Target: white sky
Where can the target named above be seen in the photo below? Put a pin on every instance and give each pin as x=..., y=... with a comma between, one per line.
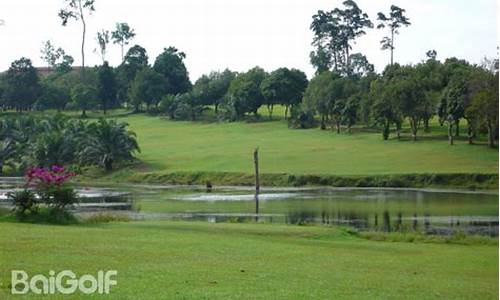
x=240, y=34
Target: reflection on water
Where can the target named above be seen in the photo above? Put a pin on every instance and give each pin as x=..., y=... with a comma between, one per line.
x=390, y=210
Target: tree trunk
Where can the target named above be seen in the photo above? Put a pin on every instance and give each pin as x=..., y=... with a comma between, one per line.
x=323, y=125
x=337, y=123
x=1, y=169
x=470, y=133
x=286, y=112
x=108, y=165
x=270, y=110
x=216, y=108
x=398, y=130
x=457, y=128
x=347, y=60
x=392, y=46
x=84, y=113
x=426, y=125
x=414, y=129
x=450, y=133
x=385, y=131
x=122, y=51
x=491, y=135
x=83, y=38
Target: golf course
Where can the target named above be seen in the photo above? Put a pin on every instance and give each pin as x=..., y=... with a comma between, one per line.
x=274, y=150
x=181, y=260
x=196, y=152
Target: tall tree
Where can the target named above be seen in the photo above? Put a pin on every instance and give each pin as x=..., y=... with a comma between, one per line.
x=107, y=86
x=484, y=107
x=49, y=54
x=122, y=35
x=148, y=87
x=385, y=112
x=394, y=21
x=334, y=33
x=102, y=39
x=135, y=60
x=170, y=64
x=283, y=86
x=85, y=97
x=22, y=86
x=319, y=94
x=352, y=24
x=78, y=10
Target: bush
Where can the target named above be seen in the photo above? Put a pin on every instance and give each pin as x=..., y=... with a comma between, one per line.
x=301, y=118
x=50, y=189
x=24, y=201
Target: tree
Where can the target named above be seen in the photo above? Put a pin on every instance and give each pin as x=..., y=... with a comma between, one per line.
x=394, y=21
x=187, y=107
x=384, y=110
x=352, y=24
x=430, y=76
x=22, y=86
x=148, y=87
x=65, y=65
x=319, y=94
x=107, y=86
x=219, y=85
x=168, y=105
x=108, y=142
x=283, y=86
x=333, y=33
x=102, y=39
x=170, y=64
x=84, y=97
x=8, y=143
x=49, y=54
x=122, y=35
x=135, y=60
x=52, y=96
x=77, y=10
x=56, y=58
x=360, y=66
x=210, y=89
x=55, y=147
x=408, y=93
x=484, y=108
x=244, y=94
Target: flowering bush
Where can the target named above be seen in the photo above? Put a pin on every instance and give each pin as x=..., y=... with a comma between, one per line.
x=44, y=186
x=50, y=186
x=43, y=177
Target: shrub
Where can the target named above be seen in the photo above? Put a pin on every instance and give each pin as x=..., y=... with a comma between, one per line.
x=50, y=186
x=24, y=201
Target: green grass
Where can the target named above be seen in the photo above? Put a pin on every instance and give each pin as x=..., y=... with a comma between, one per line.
x=193, y=152
x=227, y=147
x=179, y=260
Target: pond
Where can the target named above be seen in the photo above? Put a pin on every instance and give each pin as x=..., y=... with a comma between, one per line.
x=432, y=211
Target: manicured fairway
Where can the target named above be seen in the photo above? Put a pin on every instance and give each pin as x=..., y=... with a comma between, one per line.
x=178, y=260
x=170, y=146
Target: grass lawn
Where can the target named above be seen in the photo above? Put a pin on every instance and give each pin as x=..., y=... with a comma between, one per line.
x=179, y=260
x=171, y=146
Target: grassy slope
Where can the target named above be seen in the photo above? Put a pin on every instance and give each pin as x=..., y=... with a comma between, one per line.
x=185, y=146
x=177, y=260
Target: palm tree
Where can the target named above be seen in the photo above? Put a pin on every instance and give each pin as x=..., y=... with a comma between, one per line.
x=9, y=138
x=7, y=152
x=108, y=142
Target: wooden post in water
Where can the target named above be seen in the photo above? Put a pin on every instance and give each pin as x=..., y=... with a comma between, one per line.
x=257, y=182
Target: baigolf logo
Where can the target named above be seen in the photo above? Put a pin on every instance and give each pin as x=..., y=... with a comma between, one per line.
x=65, y=282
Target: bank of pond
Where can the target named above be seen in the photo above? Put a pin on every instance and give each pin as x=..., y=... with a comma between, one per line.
x=441, y=212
